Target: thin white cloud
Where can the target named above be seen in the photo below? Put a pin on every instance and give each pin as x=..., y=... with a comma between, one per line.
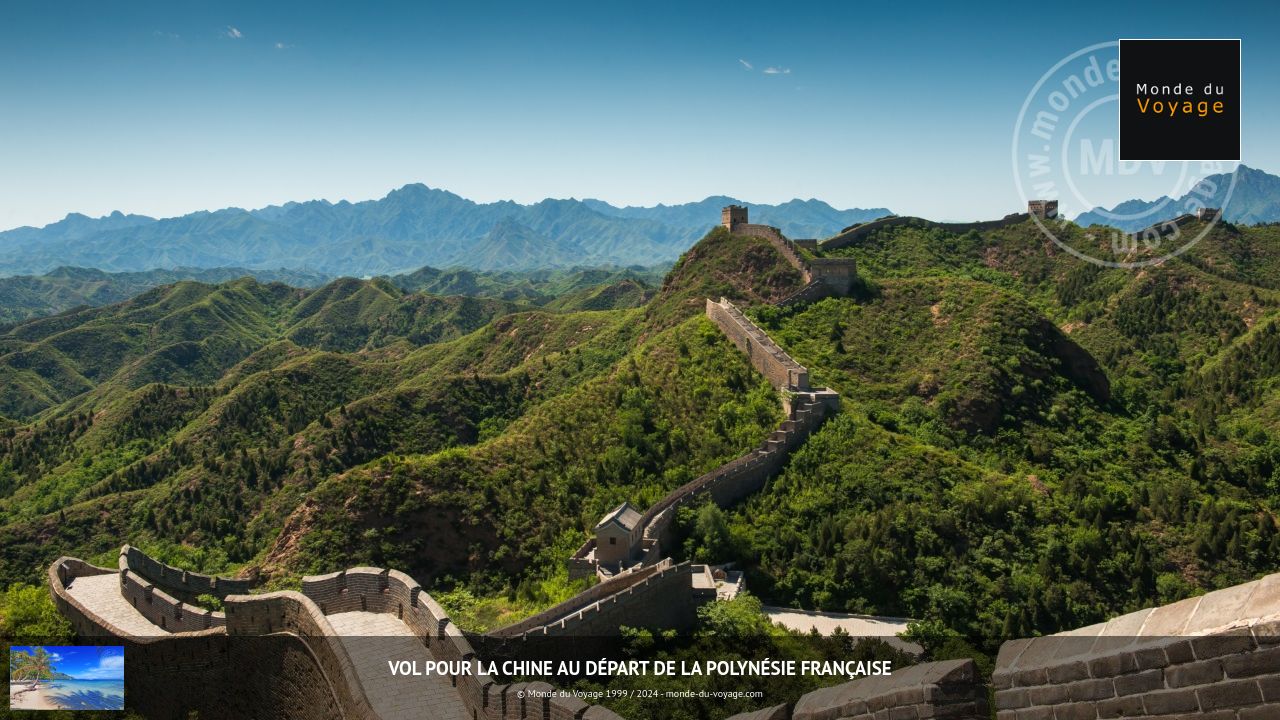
x=166, y=35
x=777, y=71
x=283, y=46
x=746, y=64
x=234, y=33
x=110, y=667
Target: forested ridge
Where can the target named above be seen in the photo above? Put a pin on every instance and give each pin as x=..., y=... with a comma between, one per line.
x=1028, y=442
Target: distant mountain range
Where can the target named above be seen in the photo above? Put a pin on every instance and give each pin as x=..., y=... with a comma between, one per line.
x=1255, y=199
x=409, y=228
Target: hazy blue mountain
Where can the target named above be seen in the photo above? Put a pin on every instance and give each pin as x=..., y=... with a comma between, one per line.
x=72, y=227
x=510, y=245
x=411, y=227
x=796, y=218
x=1255, y=199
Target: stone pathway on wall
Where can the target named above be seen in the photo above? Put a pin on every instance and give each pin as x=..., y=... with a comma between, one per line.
x=101, y=593
x=371, y=639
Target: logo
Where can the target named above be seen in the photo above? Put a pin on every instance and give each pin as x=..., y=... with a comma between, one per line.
x=1065, y=150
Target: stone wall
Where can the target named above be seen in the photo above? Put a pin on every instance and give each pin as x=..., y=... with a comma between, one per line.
x=814, y=291
x=1161, y=229
x=206, y=671
x=591, y=595
x=177, y=582
x=765, y=355
x=1216, y=656
x=84, y=621
x=950, y=689
x=163, y=610
x=788, y=249
x=223, y=678
x=253, y=616
x=827, y=276
x=728, y=484
x=394, y=592
x=838, y=274
x=665, y=598
x=732, y=482
x=854, y=233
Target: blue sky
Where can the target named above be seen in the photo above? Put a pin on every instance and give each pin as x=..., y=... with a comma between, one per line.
x=84, y=663
x=166, y=108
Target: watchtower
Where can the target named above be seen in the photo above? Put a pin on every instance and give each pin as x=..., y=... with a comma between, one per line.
x=733, y=215
x=1044, y=209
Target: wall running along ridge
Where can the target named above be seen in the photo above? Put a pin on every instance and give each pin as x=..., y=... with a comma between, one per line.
x=278, y=655
x=853, y=233
x=823, y=277
x=208, y=671
x=806, y=408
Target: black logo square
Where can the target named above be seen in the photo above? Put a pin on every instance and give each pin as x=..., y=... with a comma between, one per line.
x=1180, y=100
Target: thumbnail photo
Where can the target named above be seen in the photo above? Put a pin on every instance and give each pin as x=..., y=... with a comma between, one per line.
x=66, y=677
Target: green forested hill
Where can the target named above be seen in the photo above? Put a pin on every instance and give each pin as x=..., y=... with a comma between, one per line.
x=25, y=297
x=982, y=477
x=230, y=418
x=1028, y=442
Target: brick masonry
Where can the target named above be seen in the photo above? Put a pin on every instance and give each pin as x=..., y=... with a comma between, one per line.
x=764, y=354
x=177, y=582
x=1213, y=656
x=824, y=277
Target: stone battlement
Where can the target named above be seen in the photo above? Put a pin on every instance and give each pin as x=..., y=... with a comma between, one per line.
x=178, y=582
x=284, y=654
x=766, y=357
x=660, y=596
x=828, y=276
x=1217, y=655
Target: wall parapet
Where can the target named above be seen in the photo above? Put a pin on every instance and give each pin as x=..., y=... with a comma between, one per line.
x=587, y=597
x=179, y=582
x=1216, y=653
x=766, y=357
x=291, y=612
x=780, y=242
x=162, y=609
x=664, y=597
x=833, y=276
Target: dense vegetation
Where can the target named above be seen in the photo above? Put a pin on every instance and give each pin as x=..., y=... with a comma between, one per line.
x=982, y=477
x=23, y=297
x=292, y=431
x=1028, y=442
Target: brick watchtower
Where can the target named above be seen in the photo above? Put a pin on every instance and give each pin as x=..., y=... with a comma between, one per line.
x=733, y=215
x=1047, y=209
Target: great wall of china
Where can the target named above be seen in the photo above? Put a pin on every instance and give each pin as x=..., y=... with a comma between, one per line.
x=321, y=652
x=852, y=234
